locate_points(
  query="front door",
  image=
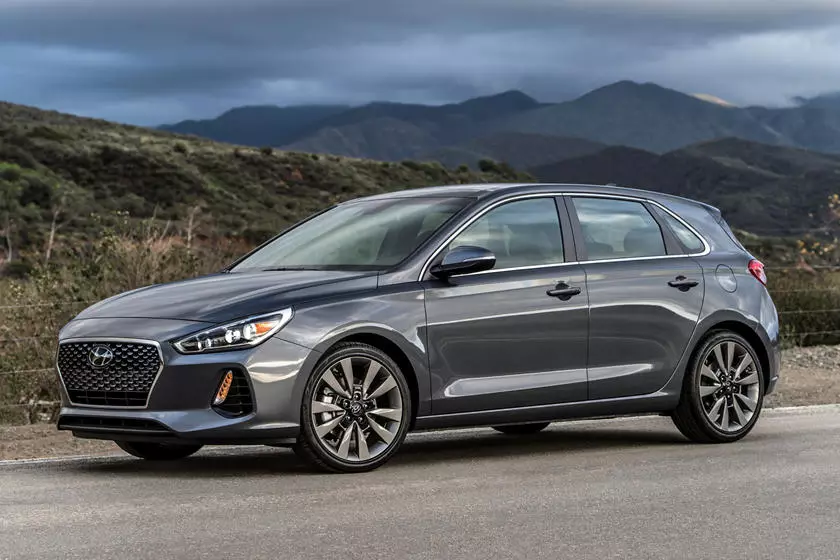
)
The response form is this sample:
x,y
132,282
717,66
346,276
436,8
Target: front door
x,y
515,335
645,296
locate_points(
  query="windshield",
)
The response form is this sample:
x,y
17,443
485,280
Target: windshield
x,y
372,234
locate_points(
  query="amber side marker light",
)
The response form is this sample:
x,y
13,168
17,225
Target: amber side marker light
x,y
224,387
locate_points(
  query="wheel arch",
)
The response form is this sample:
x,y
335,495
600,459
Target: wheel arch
x,y
407,356
749,334
395,353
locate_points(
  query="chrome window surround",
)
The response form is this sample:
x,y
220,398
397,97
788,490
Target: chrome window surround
x,y
154,343
706,247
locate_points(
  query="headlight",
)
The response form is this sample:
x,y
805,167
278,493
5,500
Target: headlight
x,y
241,334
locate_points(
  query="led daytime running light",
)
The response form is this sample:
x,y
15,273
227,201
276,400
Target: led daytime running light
x,y
241,334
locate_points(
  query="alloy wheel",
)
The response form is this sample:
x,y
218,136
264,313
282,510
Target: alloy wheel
x,y
729,386
357,409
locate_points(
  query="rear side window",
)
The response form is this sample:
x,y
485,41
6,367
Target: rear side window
x,y
618,229
690,241
521,233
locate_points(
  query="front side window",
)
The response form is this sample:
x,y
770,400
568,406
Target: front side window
x,y
520,233
364,235
618,229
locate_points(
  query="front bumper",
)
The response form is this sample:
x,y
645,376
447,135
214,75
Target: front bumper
x,y
179,404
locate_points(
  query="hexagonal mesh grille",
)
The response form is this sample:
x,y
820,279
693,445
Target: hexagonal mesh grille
x,y
125,381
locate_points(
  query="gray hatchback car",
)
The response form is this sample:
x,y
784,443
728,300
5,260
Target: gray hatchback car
x,y
509,306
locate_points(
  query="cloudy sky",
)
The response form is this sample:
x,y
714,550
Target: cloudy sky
x,y
156,61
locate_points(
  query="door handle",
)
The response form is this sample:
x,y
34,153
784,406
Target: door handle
x,y
563,291
682,283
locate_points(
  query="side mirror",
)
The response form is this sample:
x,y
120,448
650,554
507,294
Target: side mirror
x,y
465,259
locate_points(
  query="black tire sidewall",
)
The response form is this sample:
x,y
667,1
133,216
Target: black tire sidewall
x,y
692,386
324,458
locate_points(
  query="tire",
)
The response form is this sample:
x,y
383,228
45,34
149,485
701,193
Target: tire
x,y
695,415
522,429
157,451
366,446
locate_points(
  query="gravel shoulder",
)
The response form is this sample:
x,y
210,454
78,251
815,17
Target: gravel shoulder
x,y
809,376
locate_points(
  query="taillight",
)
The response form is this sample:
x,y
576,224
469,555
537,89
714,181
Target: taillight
x,y
757,269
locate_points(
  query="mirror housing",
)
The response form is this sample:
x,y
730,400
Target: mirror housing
x,y
465,259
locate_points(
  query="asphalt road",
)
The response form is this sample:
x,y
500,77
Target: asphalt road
x,y
628,488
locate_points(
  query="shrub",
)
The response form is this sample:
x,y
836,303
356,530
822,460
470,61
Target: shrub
x,y
487,166
10,172
266,150
413,165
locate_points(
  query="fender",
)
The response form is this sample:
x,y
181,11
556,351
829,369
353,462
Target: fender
x,y
704,326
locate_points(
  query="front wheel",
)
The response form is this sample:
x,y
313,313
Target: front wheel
x,y
723,390
356,410
157,451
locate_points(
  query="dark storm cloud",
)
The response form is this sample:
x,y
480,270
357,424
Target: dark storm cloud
x,y
157,60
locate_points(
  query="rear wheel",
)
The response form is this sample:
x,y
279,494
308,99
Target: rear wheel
x,y
356,410
522,429
157,451
723,390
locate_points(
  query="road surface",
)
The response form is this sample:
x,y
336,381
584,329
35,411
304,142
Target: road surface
x,y
630,488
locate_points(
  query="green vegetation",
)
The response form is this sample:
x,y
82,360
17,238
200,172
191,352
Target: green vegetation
x,y
80,172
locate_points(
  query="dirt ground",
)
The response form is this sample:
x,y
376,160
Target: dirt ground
x,y
809,376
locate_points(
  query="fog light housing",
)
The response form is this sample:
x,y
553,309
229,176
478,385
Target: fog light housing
x,y
224,388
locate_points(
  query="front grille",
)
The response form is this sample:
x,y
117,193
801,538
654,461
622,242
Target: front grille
x,y
238,401
97,423
125,381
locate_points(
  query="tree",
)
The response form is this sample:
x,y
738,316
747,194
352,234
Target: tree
x,y
192,223
66,199
10,207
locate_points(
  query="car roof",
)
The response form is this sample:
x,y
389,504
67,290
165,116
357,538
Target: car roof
x,y
482,190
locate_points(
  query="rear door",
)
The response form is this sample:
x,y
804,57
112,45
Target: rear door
x,y
645,294
500,339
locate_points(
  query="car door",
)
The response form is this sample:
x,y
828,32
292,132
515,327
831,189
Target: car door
x,y
515,335
645,294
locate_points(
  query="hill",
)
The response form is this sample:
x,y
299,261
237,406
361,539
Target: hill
x,y
767,190
640,115
519,149
259,125
395,131
644,116
84,171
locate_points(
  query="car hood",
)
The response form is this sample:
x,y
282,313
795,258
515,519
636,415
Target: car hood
x,y
227,296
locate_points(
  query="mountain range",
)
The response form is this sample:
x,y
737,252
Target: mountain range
x,y
523,132
764,189
768,189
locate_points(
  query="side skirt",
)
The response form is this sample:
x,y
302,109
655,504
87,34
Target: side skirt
x,y
653,403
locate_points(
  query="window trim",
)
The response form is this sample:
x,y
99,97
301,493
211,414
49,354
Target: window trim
x,y
663,221
669,243
424,270
564,227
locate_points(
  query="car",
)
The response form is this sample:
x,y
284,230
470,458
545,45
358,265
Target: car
x,y
503,305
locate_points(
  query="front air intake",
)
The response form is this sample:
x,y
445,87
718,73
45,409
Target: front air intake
x,y
233,394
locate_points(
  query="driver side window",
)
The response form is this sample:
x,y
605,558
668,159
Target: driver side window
x,y
520,233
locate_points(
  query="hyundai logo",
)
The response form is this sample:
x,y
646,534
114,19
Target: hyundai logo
x,y
100,356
